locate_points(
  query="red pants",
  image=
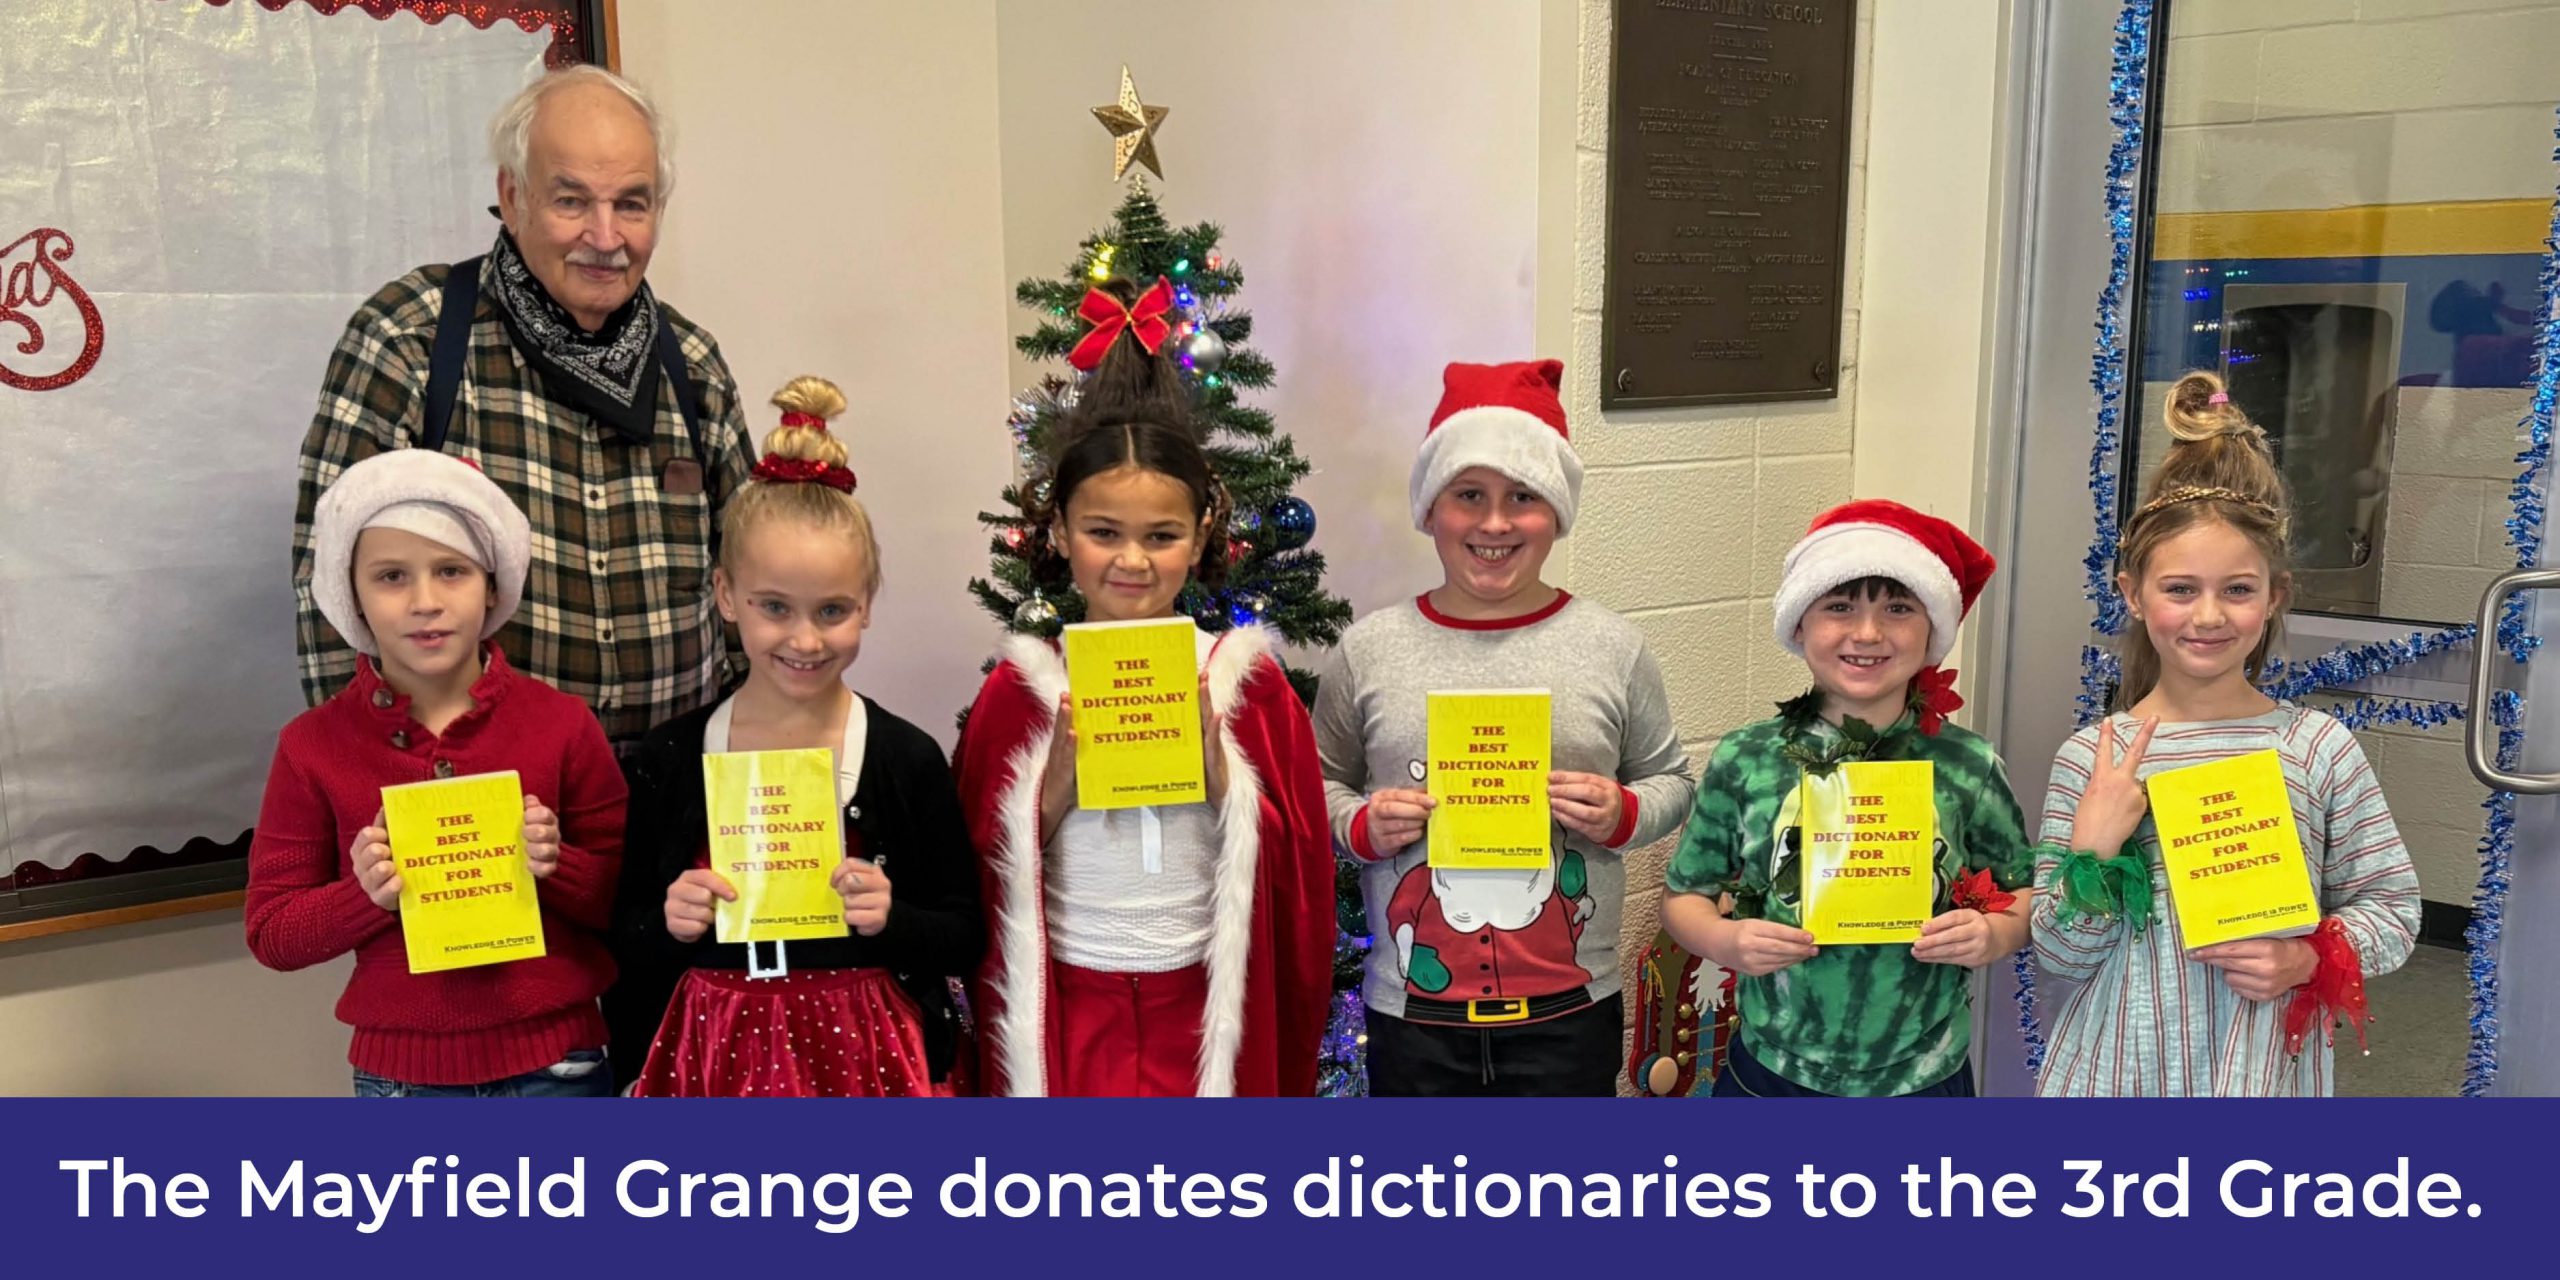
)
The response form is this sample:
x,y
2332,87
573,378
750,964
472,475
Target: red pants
x,y
1129,1035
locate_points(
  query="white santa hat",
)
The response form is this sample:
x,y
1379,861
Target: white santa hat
x,y
442,499
1874,538
1507,417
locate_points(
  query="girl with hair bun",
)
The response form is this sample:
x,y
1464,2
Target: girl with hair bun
x,y
1173,950
867,1015
2205,575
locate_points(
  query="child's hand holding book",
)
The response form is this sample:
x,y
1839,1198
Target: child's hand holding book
x,y
541,838
376,873
865,889
690,900
1762,947
1398,816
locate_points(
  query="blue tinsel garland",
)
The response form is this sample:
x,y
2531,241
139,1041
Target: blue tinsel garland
x,y
2348,664
2489,903
2128,84
2524,528
2524,533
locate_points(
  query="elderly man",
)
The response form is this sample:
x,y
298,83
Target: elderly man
x,y
609,418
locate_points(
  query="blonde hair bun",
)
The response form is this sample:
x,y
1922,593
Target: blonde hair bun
x,y
820,399
2193,415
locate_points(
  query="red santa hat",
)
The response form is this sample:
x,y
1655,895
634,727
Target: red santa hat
x,y
1507,417
1876,538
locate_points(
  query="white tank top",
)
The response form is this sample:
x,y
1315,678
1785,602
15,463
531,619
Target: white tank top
x,y
1128,889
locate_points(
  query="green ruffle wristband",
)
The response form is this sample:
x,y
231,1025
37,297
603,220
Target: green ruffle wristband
x,y
2117,888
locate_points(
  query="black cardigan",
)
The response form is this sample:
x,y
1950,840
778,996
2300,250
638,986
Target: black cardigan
x,y
906,809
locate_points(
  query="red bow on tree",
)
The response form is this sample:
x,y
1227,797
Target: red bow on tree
x,y
1975,890
1934,698
1144,321
2334,992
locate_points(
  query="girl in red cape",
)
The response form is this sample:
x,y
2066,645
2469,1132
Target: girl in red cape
x,y
1168,950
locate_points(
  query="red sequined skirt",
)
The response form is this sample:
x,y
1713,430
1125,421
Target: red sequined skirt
x,y
812,1033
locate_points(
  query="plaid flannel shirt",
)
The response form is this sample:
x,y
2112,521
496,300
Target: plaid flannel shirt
x,y
617,606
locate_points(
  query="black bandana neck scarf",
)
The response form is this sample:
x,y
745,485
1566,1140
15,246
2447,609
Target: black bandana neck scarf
x,y
611,373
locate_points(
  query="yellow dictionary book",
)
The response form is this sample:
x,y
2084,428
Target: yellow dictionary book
x,y
1870,838
466,893
2231,852
1136,687
774,838
1491,752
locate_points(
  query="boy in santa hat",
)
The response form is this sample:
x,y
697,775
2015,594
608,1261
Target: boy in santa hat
x,y
1497,983
419,559
1870,599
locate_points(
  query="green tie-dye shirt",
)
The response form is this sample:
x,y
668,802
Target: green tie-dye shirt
x,y
1863,1021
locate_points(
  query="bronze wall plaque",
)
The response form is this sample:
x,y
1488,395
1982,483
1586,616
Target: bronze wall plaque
x,y
1728,201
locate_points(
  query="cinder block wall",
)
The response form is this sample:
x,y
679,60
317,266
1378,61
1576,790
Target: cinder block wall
x,y
1686,513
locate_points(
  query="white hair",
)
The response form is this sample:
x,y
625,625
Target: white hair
x,y
511,130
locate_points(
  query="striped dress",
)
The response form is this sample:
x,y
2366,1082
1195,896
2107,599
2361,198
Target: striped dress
x,y
2146,1021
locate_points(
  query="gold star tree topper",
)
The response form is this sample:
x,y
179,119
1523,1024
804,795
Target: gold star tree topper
x,y
1133,129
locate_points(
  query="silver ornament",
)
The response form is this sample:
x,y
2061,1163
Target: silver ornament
x,y
1207,351
1035,614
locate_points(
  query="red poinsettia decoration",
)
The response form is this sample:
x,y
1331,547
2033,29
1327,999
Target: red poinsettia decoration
x,y
1976,890
1934,698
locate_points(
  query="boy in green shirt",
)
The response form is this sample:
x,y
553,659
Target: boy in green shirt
x,y
1870,599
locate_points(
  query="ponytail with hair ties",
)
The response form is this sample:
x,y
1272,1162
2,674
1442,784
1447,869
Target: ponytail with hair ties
x,y
802,450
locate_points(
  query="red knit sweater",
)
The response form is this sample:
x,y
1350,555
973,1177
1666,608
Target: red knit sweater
x,y
462,1026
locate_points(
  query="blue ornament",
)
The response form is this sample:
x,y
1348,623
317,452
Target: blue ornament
x,y
1295,522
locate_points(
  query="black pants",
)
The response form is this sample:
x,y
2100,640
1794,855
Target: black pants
x,y
1573,1056
1744,1076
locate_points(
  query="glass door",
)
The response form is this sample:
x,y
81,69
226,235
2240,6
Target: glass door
x,y
2357,250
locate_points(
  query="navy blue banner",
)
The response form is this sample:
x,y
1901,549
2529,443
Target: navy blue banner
x,y
463,1189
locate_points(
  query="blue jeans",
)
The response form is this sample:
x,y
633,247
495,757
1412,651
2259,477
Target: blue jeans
x,y
1745,1076
582,1074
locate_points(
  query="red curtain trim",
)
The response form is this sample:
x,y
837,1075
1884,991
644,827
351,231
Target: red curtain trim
x,y
530,15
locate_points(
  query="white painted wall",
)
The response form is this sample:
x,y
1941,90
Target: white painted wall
x,y
1374,171
171,1007
1932,161
838,212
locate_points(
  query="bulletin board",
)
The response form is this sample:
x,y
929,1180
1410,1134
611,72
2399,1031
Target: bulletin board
x,y
194,196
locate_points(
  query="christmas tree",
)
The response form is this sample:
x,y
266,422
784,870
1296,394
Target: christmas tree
x,y
1274,577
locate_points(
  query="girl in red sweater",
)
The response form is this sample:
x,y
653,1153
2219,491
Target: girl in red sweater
x,y
418,559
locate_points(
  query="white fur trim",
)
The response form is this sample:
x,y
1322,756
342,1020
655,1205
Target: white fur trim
x,y
1231,662
1842,553
1516,443
1020,1027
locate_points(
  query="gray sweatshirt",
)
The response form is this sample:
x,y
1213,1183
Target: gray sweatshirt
x,y
1453,944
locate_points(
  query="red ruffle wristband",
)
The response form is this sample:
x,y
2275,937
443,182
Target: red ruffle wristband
x,y
2333,993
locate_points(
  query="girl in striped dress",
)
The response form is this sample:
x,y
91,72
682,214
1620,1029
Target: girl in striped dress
x,y
2204,574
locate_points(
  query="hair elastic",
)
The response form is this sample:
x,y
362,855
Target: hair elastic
x,y
776,469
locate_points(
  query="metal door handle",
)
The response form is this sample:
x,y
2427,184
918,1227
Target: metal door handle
x,y
2478,724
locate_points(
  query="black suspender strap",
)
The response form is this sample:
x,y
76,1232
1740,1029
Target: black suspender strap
x,y
671,362
453,346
